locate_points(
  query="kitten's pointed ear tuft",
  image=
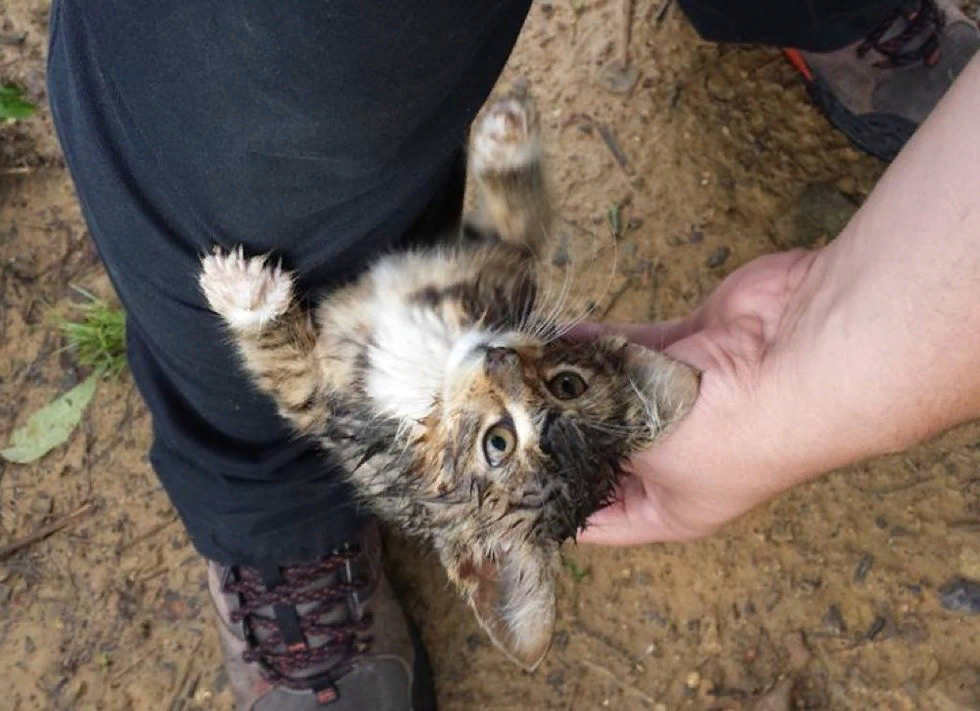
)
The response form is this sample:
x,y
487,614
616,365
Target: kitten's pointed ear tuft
x,y
513,596
672,386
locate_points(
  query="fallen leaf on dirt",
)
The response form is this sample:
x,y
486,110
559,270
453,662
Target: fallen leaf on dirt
x,y
51,425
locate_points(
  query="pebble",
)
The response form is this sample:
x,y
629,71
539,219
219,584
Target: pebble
x,y
864,566
692,681
42,505
717,257
961,594
617,79
833,621
719,87
821,211
202,698
847,185
875,628
970,563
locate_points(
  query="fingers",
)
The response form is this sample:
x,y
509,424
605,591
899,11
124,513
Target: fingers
x,y
635,518
656,336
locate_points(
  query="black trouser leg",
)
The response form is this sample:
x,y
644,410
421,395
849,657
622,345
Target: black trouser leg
x,y
325,131
814,25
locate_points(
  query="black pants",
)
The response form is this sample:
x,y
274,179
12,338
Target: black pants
x,y
326,131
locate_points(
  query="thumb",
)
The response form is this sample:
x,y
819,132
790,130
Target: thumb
x,y
637,516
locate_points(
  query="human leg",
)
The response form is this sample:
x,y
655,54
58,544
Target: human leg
x,y
324,131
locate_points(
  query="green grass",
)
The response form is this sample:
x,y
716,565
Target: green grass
x,y
578,574
98,338
13,105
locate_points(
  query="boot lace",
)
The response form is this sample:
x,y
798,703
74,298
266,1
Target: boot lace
x,y
283,661
922,26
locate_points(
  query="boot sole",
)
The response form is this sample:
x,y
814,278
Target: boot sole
x,y
880,135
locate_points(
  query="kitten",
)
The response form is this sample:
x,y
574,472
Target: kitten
x,y
446,390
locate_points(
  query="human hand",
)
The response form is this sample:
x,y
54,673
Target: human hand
x,y
720,461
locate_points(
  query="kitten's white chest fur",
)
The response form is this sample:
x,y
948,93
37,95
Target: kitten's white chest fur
x,y
415,345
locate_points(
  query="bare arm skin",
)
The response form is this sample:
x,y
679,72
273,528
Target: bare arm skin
x,y
815,360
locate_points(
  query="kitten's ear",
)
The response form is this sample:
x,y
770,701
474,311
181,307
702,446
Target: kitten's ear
x,y
670,385
513,596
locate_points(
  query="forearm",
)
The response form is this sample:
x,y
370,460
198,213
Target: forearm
x,y
882,347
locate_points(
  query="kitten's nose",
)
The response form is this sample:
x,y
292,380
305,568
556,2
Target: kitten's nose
x,y
502,358
503,364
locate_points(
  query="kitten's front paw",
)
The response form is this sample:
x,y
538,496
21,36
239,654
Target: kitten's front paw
x,y
507,137
246,292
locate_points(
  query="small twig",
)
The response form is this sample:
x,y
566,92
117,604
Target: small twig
x,y
580,228
152,574
614,299
43,532
19,170
149,534
662,12
607,137
626,20
609,643
610,140
182,684
624,685
965,525
117,677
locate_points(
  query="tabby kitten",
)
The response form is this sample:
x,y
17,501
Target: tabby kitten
x,y
445,388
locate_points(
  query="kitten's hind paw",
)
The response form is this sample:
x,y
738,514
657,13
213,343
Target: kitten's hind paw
x,y
246,292
507,137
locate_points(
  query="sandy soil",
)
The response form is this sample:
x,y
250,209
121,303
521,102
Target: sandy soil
x,y
825,599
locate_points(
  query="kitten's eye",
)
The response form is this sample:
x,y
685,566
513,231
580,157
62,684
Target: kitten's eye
x,y
567,385
498,444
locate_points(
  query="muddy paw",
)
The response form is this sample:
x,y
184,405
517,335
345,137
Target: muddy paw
x,y
507,137
246,292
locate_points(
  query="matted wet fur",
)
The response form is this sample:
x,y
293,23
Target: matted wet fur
x,y
449,394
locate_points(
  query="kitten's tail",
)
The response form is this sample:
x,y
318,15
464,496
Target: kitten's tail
x,y
273,334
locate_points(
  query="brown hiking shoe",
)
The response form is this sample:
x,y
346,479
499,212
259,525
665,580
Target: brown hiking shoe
x,y
329,636
879,90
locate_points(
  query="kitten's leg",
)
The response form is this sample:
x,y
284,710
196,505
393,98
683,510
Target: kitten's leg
x,y
272,333
506,166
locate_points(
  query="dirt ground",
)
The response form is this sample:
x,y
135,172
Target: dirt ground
x,y
825,599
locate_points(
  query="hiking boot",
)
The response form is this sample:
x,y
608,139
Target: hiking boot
x,y
879,90
328,636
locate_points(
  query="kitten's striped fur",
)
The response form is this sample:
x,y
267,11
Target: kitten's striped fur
x,y
448,396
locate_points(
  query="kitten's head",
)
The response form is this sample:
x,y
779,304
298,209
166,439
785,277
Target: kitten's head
x,y
536,434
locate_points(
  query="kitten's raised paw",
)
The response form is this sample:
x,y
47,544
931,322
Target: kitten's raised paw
x,y
245,291
507,137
